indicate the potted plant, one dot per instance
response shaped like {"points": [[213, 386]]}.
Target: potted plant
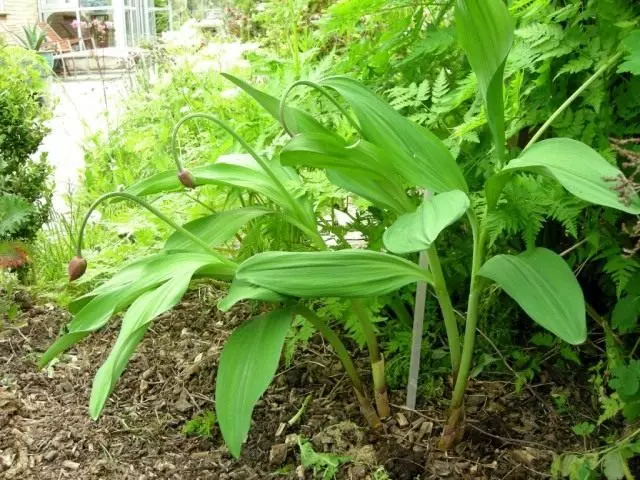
{"points": [[33, 39]]}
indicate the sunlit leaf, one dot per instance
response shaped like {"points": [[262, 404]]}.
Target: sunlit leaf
{"points": [[248, 362], [362, 169], [579, 169], [417, 154], [215, 229], [134, 325], [134, 280], [485, 32], [297, 120], [345, 273], [542, 283], [416, 231]]}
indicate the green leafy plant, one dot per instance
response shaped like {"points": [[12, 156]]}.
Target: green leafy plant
{"points": [[24, 177], [385, 164], [32, 37], [201, 425]]}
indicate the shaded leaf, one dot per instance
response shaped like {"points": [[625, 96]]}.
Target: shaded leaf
{"points": [[240, 290], [542, 283], [578, 168], [248, 362], [416, 231], [345, 273], [631, 62]]}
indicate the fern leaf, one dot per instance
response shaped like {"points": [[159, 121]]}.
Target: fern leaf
{"points": [[14, 212]]}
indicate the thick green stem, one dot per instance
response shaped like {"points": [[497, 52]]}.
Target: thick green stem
{"points": [[343, 354], [450, 323], [572, 98], [157, 213], [480, 238], [454, 427], [377, 360]]}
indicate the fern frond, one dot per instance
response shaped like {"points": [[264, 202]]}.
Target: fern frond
{"points": [[14, 212]]}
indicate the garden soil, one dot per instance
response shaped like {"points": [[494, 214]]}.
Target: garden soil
{"points": [[46, 432]]}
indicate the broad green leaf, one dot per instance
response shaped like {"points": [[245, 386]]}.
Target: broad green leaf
{"points": [[297, 120], [416, 231], [485, 32], [542, 283], [385, 195], [344, 273], [578, 168], [363, 169], [240, 290], [626, 314], [215, 229], [417, 154], [248, 362], [135, 280], [134, 325], [326, 151], [631, 62], [613, 465]]}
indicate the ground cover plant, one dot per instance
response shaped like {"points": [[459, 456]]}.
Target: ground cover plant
{"points": [[539, 280]]}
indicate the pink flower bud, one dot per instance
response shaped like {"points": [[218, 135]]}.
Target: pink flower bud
{"points": [[77, 267], [186, 178]]}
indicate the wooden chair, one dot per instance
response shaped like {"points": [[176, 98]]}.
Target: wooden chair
{"points": [[61, 46]]}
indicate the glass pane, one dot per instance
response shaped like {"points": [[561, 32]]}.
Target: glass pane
{"points": [[95, 3], [98, 24]]}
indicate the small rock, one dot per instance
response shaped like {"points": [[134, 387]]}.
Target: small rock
{"points": [[50, 455], [291, 439], [300, 472], [402, 420], [278, 454], [425, 429], [70, 465]]}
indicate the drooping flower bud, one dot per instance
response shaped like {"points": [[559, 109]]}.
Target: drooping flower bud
{"points": [[77, 267], [186, 178]]}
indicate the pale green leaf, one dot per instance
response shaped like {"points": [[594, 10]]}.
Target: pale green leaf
{"points": [[125, 287], [363, 169], [240, 290], [134, 325], [485, 32], [297, 120], [215, 229], [248, 362], [613, 465], [542, 283], [416, 231], [631, 62], [345, 273], [417, 154], [578, 168]]}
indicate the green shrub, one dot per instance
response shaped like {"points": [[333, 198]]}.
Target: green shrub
{"points": [[23, 119]]}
